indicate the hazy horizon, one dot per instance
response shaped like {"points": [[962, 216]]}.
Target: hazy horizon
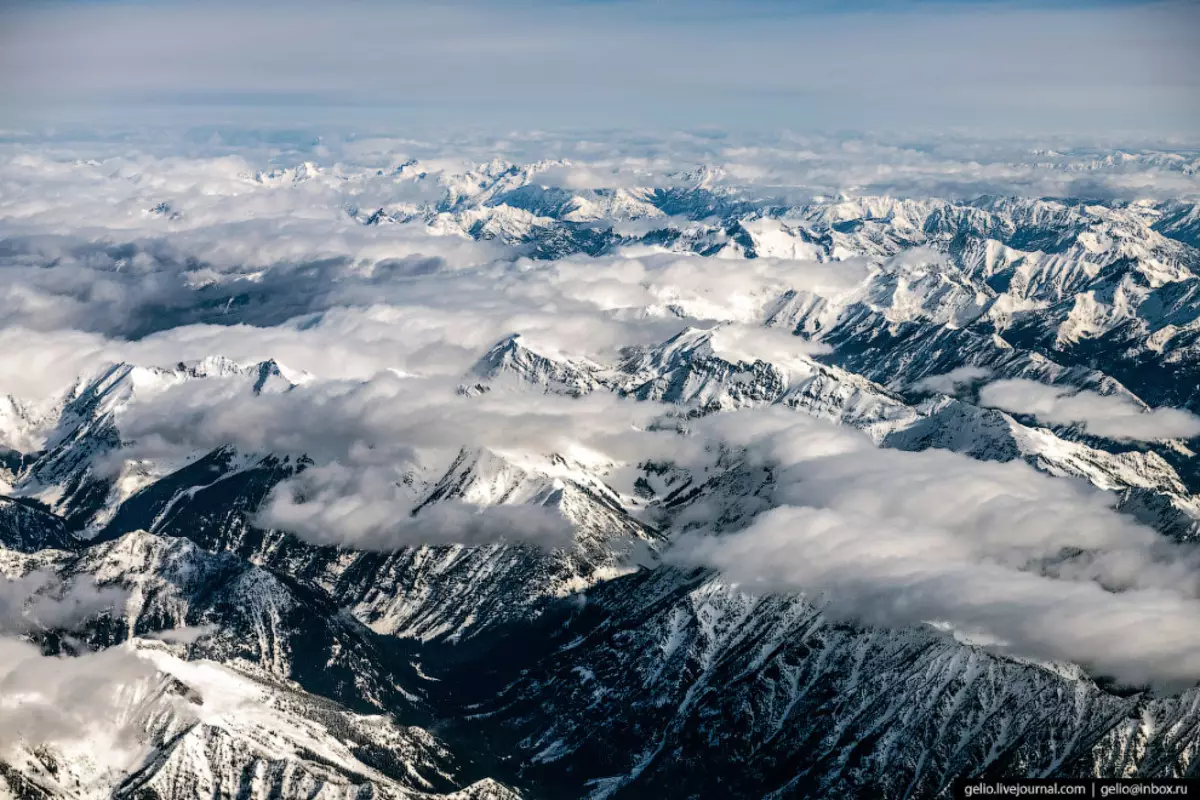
{"points": [[1121, 68]]}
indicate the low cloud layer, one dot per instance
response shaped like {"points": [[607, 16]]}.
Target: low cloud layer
{"points": [[860, 567], [387, 419], [384, 280], [378, 444], [951, 382], [749, 344], [62, 699], [40, 600], [342, 322], [1025, 563], [373, 509], [1110, 416], [68, 701]]}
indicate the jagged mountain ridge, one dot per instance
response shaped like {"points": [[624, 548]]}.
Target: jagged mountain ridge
{"points": [[676, 616], [586, 673], [65, 472], [212, 497], [1064, 278], [426, 592], [686, 371], [276, 692], [678, 684]]}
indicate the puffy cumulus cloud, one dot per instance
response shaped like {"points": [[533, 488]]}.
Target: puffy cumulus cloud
{"points": [[34, 366], [625, 174], [1110, 416], [774, 436], [1004, 512], [642, 281], [372, 508], [1042, 567], [748, 343], [951, 382]]}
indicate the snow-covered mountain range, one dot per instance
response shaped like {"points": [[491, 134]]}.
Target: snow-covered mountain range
{"points": [[490, 498]]}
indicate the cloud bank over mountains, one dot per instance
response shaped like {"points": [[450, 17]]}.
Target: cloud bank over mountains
{"points": [[680, 323], [55, 699], [1039, 566], [1110, 416], [398, 398]]}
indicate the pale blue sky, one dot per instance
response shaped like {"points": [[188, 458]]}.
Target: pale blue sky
{"points": [[992, 66]]}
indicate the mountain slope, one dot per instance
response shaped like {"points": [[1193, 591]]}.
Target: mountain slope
{"points": [[203, 729]]}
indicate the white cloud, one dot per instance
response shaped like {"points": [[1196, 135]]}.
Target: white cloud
{"points": [[372, 421], [1110, 416], [377, 444], [748, 343], [999, 551], [186, 635], [40, 600], [340, 320], [64, 700], [372, 509], [621, 175], [883, 573], [950, 382]]}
